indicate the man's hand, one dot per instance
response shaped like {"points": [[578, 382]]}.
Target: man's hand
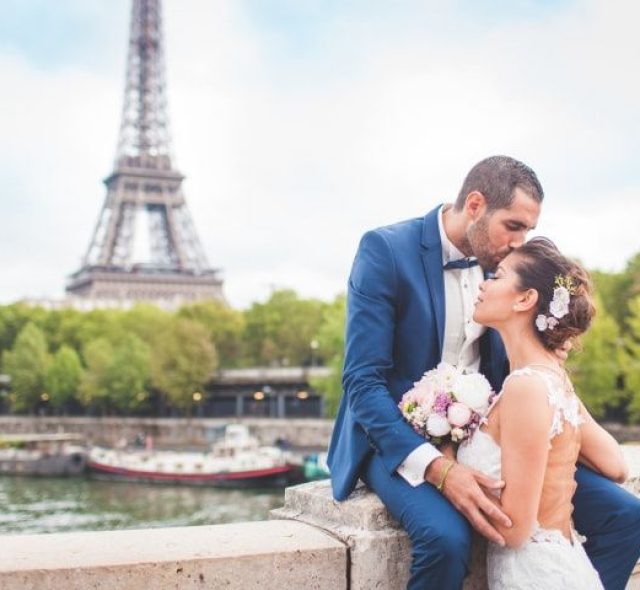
{"points": [[464, 489]]}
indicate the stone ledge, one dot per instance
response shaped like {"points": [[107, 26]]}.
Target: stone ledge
{"points": [[268, 555]]}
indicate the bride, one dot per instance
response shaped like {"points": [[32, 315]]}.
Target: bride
{"points": [[537, 428]]}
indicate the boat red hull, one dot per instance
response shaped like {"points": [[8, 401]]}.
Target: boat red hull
{"points": [[273, 477]]}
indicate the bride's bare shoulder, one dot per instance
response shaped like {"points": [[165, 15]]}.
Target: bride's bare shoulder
{"points": [[524, 402]]}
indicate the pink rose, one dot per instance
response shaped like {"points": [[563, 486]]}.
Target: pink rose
{"points": [[422, 393], [458, 414]]}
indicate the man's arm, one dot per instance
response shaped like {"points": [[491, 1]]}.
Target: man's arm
{"points": [[371, 324]]}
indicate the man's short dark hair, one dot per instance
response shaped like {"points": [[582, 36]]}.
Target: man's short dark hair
{"points": [[497, 178]]}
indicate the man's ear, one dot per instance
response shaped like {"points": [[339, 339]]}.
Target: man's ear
{"points": [[526, 300], [475, 205]]}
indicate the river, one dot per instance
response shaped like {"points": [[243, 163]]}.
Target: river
{"points": [[34, 505]]}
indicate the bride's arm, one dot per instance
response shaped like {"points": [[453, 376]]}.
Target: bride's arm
{"points": [[600, 451], [525, 419]]}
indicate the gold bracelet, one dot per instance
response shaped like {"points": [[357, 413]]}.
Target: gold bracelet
{"points": [[445, 472]]}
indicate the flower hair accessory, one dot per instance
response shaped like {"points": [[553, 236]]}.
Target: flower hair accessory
{"points": [[559, 306]]}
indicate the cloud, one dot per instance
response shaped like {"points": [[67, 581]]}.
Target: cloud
{"points": [[297, 134]]}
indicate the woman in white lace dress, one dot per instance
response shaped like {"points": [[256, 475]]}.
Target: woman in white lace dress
{"points": [[537, 428]]}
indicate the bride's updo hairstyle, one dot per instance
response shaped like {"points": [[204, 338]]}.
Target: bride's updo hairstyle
{"points": [[542, 267]]}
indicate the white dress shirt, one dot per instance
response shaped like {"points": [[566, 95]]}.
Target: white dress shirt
{"points": [[461, 346]]}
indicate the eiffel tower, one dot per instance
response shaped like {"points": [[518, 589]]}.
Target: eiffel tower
{"points": [[144, 246]]}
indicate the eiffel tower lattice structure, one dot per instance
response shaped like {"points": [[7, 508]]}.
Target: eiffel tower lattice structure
{"points": [[144, 246]]}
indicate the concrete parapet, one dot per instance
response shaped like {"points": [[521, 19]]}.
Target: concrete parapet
{"points": [[269, 555]]}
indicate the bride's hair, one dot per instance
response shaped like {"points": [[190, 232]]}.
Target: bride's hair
{"points": [[540, 266]]}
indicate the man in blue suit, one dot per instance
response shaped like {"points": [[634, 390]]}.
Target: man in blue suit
{"points": [[410, 304]]}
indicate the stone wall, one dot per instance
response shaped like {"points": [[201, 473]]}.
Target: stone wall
{"points": [[273, 555], [173, 432]]}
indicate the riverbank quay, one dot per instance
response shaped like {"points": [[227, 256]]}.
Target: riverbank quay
{"points": [[191, 433], [174, 433], [311, 542]]}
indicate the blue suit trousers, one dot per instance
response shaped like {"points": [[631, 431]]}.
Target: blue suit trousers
{"points": [[440, 535], [609, 517]]}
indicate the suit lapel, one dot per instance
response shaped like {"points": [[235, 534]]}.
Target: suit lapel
{"points": [[432, 261]]}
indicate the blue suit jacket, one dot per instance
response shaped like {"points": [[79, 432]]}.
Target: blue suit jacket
{"points": [[394, 333]]}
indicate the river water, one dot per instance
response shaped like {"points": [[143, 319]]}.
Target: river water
{"points": [[35, 505]]}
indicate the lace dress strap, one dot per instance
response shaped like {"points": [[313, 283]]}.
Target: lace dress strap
{"points": [[566, 406]]}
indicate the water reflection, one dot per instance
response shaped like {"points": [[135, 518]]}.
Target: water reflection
{"points": [[29, 505]]}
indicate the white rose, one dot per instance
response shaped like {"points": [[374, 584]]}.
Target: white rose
{"points": [[559, 308], [561, 294], [446, 371], [541, 323], [438, 425], [473, 390], [458, 414]]}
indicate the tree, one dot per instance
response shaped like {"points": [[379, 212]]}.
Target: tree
{"points": [[116, 376], [127, 373], [225, 327], [631, 367], [93, 389], [27, 364], [596, 365], [280, 331], [63, 376], [183, 362], [331, 346], [13, 318]]}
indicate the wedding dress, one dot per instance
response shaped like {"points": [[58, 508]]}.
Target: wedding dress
{"points": [[553, 556]]}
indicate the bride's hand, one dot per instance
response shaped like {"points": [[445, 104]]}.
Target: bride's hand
{"points": [[464, 488]]}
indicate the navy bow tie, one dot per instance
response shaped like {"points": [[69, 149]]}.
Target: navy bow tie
{"points": [[460, 263]]}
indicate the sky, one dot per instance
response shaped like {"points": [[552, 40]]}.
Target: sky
{"points": [[300, 124]]}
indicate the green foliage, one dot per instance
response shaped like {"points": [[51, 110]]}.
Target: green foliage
{"points": [[596, 367], [183, 361], [13, 318], [331, 346], [224, 325], [632, 358], [280, 331], [116, 375], [63, 376], [127, 373], [27, 363], [93, 389]]}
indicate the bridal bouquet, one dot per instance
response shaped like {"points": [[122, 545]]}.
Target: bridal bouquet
{"points": [[446, 403]]}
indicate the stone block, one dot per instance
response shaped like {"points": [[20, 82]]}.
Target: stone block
{"points": [[380, 551], [269, 555]]}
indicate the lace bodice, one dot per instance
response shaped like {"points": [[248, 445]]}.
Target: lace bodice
{"points": [[553, 557], [483, 453]]}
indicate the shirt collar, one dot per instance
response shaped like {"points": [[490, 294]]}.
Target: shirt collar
{"points": [[449, 251]]}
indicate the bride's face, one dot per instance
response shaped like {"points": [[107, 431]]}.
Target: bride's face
{"points": [[498, 294]]}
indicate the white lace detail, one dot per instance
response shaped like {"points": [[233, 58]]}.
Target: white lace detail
{"points": [[567, 407], [548, 560]]}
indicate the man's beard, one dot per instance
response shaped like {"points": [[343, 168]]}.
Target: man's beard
{"points": [[477, 241]]}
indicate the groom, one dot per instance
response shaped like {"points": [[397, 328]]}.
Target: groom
{"points": [[410, 305]]}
